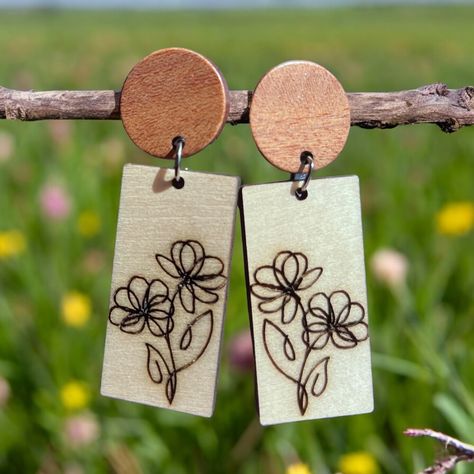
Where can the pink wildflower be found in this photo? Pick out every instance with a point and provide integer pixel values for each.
(241, 352)
(55, 202)
(81, 430)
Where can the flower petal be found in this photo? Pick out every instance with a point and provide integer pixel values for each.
(207, 268)
(271, 305)
(278, 270)
(190, 256)
(294, 268)
(167, 265)
(319, 307)
(344, 338)
(161, 311)
(176, 249)
(291, 307)
(117, 314)
(291, 269)
(340, 303)
(137, 290)
(203, 295)
(318, 326)
(280, 259)
(133, 323)
(355, 315)
(121, 299)
(186, 296)
(265, 275)
(157, 292)
(215, 283)
(265, 292)
(358, 332)
(309, 278)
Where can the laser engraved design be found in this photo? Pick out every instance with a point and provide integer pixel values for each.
(324, 319)
(147, 306)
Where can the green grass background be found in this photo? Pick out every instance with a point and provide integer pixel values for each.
(422, 340)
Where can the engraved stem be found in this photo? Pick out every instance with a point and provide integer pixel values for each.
(301, 386)
(173, 378)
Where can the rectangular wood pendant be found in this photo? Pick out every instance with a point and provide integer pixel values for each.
(307, 299)
(169, 286)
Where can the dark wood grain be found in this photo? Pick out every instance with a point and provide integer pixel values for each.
(450, 109)
(174, 92)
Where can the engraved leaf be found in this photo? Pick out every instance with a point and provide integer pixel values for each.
(277, 342)
(156, 364)
(288, 349)
(196, 337)
(302, 397)
(171, 385)
(186, 339)
(318, 377)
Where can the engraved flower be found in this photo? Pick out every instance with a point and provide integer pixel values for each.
(336, 318)
(199, 275)
(142, 303)
(277, 285)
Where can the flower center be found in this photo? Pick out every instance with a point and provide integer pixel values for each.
(332, 326)
(186, 279)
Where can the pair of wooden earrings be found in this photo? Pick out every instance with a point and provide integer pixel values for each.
(303, 247)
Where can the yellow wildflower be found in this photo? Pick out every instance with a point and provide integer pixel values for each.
(88, 223)
(75, 309)
(358, 463)
(456, 218)
(12, 243)
(298, 468)
(74, 395)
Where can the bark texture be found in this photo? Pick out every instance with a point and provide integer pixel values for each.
(455, 450)
(450, 109)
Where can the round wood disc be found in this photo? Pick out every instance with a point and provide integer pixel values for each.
(174, 92)
(297, 107)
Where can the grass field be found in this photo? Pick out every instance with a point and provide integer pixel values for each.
(59, 195)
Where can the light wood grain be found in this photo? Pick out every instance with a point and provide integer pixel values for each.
(450, 109)
(297, 107)
(325, 229)
(174, 92)
(154, 216)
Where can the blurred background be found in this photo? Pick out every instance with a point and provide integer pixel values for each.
(59, 197)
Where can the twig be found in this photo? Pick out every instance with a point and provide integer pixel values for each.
(456, 450)
(450, 109)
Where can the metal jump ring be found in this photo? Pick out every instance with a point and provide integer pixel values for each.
(306, 160)
(178, 145)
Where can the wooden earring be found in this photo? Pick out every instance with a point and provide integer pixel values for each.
(304, 254)
(174, 240)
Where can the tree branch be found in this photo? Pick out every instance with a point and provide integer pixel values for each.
(450, 109)
(456, 450)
